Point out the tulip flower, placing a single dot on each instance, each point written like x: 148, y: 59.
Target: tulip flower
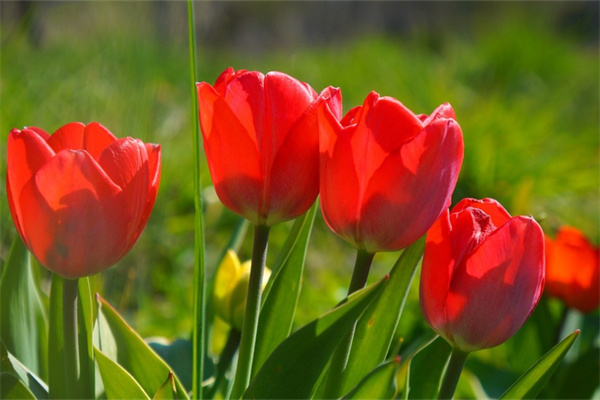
x: 573, y: 269
x: 80, y: 197
x: 261, y: 139
x: 262, y: 142
x: 482, y: 274
x: 386, y: 173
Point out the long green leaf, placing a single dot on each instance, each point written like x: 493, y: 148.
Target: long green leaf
x: 532, y: 381
x: 375, y: 329
x: 86, y: 318
x: 378, y: 384
x: 427, y: 368
x: 293, y: 369
x: 119, y: 342
x: 56, y: 366
x: 13, y: 388
x: 281, y: 294
x: 22, y: 319
x: 10, y: 365
x: 118, y: 383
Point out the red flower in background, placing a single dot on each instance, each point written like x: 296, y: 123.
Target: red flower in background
x: 386, y: 173
x: 572, y: 269
x: 482, y: 274
x: 80, y: 198
x: 262, y: 142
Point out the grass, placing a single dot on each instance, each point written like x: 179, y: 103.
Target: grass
x: 525, y: 95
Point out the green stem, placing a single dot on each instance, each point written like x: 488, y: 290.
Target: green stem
x: 453, y: 371
x: 199, y: 269
x: 250, y: 327
x: 71, y: 342
x: 339, y: 360
x: 233, y: 342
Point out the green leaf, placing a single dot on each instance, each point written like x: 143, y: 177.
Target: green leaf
x: 282, y: 292
x: 426, y: 370
x: 293, y: 370
x: 22, y: 319
x: 86, y: 318
x: 532, y: 381
x: 379, y: 384
x: 56, y: 365
x: 9, y: 364
x: 12, y: 388
x: 119, y: 342
x: 375, y: 329
x: 118, y: 383
x: 167, y: 391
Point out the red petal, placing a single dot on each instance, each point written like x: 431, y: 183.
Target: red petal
x: 69, y: 136
x: 410, y: 190
x: 74, y: 217
x: 96, y: 138
x: 495, y: 290
x: 27, y: 151
x: 232, y: 155
x: 125, y: 161
x: 438, y: 265
x: 491, y: 207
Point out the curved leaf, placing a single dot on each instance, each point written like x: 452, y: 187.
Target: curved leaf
x: 375, y: 329
x: 22, y: 319
x: 426, y: 370
x: 532, y: 381
x: 295, y: 366
x: 118, y: 383
x: 281, y: 294
x: 9, y: 364
x: 119, y: 342
x: 11, y: 387
x: 379, y: 384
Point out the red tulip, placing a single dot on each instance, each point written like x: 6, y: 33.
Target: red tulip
x: 262, y: 142
x: 482, y: 274
x: 80, y: 198
x: 386, y: 173
x: 573, y: 269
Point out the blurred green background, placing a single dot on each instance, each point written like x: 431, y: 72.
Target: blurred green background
x: 523, y: 78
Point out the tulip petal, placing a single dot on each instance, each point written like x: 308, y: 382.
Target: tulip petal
x: 74, y: 216
x: 339, y: 186
x: 27, y: 152
x: 232, y: 155
x: 491, y: 207
x: 436, y: 271
x: 125, y: 161
x: 96, y: 138
x: 495, y: 290
x: 286, y: 100
x: 294, y: 186
x: 416, y: 182
x: 69, y: 136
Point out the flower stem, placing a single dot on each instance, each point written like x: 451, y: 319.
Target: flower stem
x: 453, y: 371
x: 334, y: 383
x: 250, y: 327
x: 198, y: 334
x: 231, y: 346
x: 71, y: 342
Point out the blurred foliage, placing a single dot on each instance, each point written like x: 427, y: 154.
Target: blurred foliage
x: 526, y: 95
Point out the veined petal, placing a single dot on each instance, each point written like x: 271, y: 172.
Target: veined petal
x: 69, y: 136
x: 491, y: 207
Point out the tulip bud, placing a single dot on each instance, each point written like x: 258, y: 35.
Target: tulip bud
x: 572, y: 269
x: 231, y: 288
x: 482, y: 274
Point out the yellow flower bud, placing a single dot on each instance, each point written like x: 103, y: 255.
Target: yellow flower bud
x: 231, y: 289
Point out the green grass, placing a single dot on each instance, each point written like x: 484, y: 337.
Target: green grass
x: 525, y: 95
